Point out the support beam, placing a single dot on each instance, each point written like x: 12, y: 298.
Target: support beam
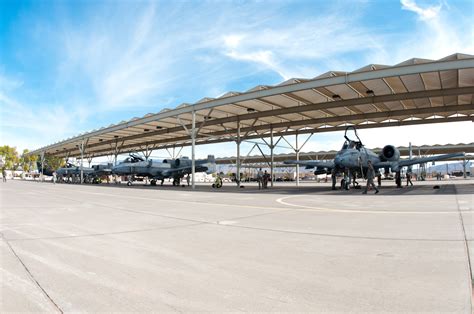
x: 271, y: 157
x: 42, y: 164
x: 237, y: 175
x: 464, y: 167
x: 193, y: 146
x: 297, y: 150
x: 82, y: 160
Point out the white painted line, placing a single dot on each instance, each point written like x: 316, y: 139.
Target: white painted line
x: 227, y: 222
x: 283, y: 202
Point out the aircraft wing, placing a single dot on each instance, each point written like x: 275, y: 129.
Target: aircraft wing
x: 383, y: 164
x: 311, y: 163
x: 409, y: 162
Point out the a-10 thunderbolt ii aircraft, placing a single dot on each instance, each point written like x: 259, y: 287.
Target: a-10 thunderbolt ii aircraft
x: 71, y: 172
x: 353, y: 157
x: 90, y: 174
x: 169, y: 168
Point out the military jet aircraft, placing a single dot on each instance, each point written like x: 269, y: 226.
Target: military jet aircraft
x: 136, y: 166
x: 353, y: 157
x: 90, y: 174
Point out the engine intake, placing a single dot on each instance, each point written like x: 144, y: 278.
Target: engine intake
x: 390, y: 153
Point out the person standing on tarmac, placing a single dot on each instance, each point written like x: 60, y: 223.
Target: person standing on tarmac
x: 333, y: 178
x: 265, y: 179
x: 260, y: 179
x: 409, y: 178
x: 188, y: 178
x: 4, y: 174
x: 370, y: 178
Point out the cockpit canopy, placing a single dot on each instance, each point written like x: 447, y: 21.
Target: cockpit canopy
x: 349, y: 144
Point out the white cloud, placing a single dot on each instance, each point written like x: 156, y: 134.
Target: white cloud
x: 9, y: 83
x: 439, y: 32
x: 301, y: 49
x: 424, y: 14
x: 232, y: 41
x: 27, y: 126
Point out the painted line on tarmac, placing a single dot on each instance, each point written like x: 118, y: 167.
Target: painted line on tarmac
x: 282, y: 200
x: 182, y: 201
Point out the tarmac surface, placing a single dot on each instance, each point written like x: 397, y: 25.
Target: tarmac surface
x: 71, y: 248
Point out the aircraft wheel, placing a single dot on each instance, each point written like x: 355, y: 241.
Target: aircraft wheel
x: 129, y: 183
x: 153, y: 182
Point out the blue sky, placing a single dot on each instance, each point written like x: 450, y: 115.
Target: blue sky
x: 71, y: 66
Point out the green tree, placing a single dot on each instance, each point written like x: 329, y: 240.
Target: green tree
x: 10, y: 157
x: 54, y: 162
x: 27, y: 162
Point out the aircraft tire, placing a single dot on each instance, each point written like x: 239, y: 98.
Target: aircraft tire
x: 153, y: 182
x: 129, y: 183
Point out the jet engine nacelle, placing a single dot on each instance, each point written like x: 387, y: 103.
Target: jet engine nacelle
x: 390, y: 153
x: 182, y: 162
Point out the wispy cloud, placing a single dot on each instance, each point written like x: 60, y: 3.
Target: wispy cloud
x: 289, y: 48
x: 426, y: 13
x: 439, y: 32
x: 24, y: 125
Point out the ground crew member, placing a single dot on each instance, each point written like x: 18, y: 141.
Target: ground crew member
x: 217, y: 182
x: 379, y: 179
x: 333, y: 178
x: 188, y: 178
x: 409, y: 178
x: 265, y: 179
x: 260, y: 179
x: 370, y: 178
x: 398, y: 179
x: 4, y: 174
x: 345, y: 181
x: 54, y: 177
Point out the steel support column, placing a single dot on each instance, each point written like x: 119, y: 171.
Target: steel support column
x: 297, y: 150
x: 271, y: 157
x: 237, y: 175
x: 193, y: 144
x: 464, y: 167
x: 42, y: 165
x: 82, y: 160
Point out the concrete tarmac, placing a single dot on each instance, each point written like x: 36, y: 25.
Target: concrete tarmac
x: 89, y: 248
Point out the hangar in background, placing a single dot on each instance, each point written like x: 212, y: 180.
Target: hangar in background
x: 417, y: 91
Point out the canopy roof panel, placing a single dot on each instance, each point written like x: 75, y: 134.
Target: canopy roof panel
x: 416, y: 91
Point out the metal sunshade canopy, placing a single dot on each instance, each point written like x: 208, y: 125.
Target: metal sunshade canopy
x: 417, y: 91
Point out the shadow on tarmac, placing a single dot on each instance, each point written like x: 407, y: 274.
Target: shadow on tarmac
x: 447, y: 188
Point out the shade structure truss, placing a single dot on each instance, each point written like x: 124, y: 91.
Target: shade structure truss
x: 417, y: 91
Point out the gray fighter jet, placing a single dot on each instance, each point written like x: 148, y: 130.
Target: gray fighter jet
x: 90, y: 174
x: 353, y: 157
x: 136, y: 166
